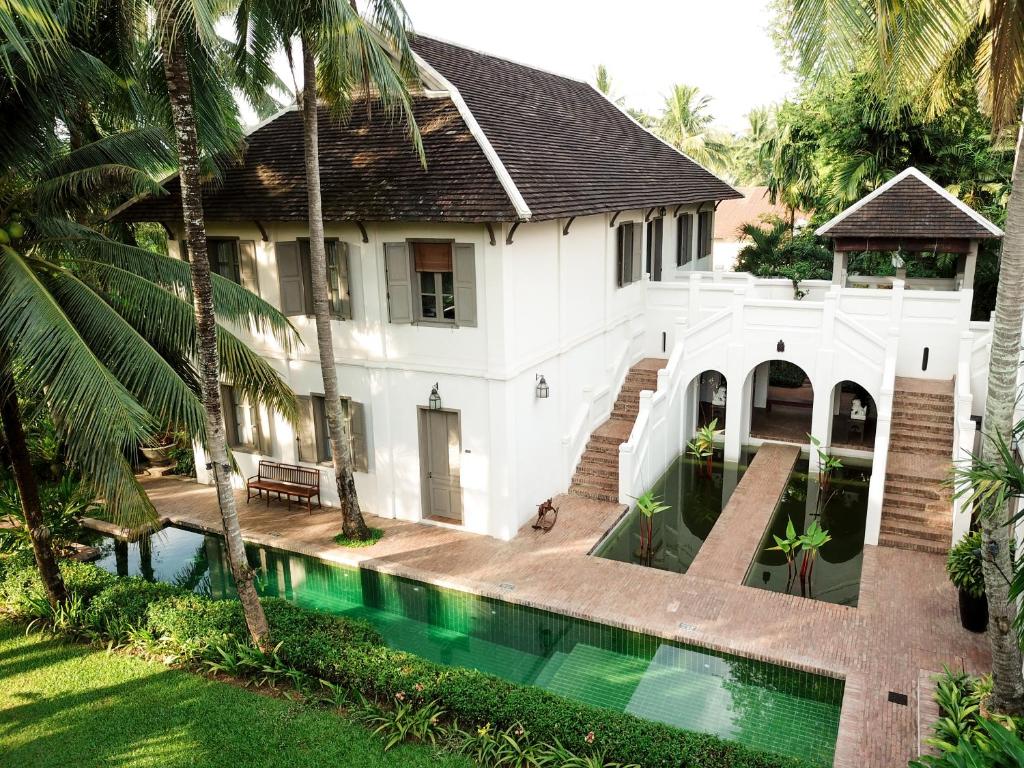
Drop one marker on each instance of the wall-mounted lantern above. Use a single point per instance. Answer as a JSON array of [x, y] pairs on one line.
[[434, 403], [781, 346], [543, 390]]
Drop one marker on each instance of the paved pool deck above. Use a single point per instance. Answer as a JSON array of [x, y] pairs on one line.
[[906, 621]]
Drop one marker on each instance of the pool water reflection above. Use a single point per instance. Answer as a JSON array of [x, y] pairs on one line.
[[754, 703]]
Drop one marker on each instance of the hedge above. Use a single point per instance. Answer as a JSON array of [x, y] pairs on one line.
[[351, 653]]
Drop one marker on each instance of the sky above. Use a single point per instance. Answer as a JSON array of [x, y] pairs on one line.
[[721, 47]]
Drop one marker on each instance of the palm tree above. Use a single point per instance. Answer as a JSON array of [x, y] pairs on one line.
[[685, 123], [105, 333], [183, 33], [342, 59], [603, 83], [919, 51]]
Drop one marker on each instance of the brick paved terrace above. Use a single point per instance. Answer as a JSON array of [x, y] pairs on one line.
[[906, 623]]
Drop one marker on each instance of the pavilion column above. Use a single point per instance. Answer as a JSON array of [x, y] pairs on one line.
[[839, 259]]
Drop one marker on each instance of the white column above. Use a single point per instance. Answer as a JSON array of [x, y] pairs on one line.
[[737, 392], [761, 374], [821, 415]]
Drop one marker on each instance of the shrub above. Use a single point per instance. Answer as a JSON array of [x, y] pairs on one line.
[[191, 619], [127, 600], [22, 588], [964, 567]]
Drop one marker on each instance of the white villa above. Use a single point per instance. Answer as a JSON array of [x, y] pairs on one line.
[[537, 310]]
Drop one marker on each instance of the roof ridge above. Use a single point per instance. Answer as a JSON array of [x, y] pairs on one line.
[[516, 62]]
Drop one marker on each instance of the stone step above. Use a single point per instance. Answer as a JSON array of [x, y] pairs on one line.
[[918, 519], [930, 449], [912, 543], [592, 492], [914, 530], [923, 419], [921, 489], [905, 502], [940, 435], [903, 405], [596, 448], [603, 482], [607, 440], [598, 470]]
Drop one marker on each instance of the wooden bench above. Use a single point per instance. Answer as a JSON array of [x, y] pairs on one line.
[[287, 479]]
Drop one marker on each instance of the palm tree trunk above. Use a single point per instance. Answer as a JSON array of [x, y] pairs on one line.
[[179, 88], [353, 526], [1008, 685], [28, 491]]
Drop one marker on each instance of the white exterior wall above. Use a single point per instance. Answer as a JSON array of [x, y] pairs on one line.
[[546, 304]]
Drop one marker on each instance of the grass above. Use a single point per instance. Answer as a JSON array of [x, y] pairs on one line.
[[64, 704], [376, 534]]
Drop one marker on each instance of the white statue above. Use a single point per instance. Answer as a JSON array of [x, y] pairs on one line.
[[858, 411], [718, 398]]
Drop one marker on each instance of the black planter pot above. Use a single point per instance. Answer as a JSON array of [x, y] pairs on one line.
[[973, 612]]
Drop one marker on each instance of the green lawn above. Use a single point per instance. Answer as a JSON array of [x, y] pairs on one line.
[[64, 704]]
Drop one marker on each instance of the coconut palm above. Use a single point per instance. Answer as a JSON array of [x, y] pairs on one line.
[[685, 123], [920, 51], [104, 333], [344, 59]]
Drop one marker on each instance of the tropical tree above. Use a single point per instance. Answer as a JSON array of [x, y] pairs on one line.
[[103, 331], [344, 60], [685, 123], [603, 83], [920, 51]]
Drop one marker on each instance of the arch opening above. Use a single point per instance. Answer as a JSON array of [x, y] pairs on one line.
[[854, 416], [781, 402]]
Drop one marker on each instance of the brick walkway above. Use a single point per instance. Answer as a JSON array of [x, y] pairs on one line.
[[906, 620]]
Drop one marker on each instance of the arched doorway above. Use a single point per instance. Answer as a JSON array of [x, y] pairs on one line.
[[712, 395], [781, 402], [854, 415]]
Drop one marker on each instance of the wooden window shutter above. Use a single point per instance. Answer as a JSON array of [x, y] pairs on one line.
[[465, 284], [356, 416], [684, 247], [227, 407], [620, 255], [338, 280], [183, 250], [397, 265], [247, 270], [305, 433], [321, 432], [637, 262], [265, 430], [709, 234], [289, 275]]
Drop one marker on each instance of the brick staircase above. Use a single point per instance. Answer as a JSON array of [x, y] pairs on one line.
[[597, 475], [916, 508]]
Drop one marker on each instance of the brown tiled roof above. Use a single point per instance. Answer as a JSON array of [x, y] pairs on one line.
[[368, 170], [568, 149], [755, 206], [910, 206]]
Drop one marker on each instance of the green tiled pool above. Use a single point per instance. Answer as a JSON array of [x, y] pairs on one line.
[[754, 703], [695, 499], [841, 509]]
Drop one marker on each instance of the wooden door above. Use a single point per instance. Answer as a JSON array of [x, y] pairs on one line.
[[440, 459]]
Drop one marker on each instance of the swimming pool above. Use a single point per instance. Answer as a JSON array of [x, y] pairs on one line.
[[754, 703]]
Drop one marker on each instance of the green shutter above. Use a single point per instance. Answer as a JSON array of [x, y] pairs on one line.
[[338, 280], [399, 277], [356, 417], [289, 276], [247, 269], [227, 407], [305, 433], [183, 250], [620, 255], [305, 268], [464, 278], [637, 262], [321, 431]]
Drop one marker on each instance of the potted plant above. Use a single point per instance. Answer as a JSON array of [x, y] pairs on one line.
[[159, 452], [964, 568]]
